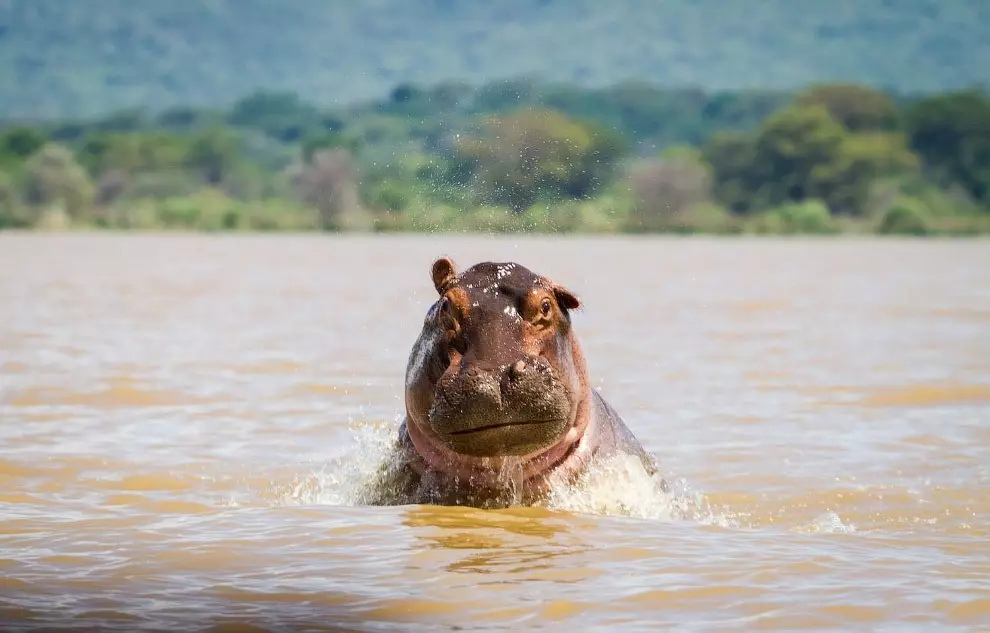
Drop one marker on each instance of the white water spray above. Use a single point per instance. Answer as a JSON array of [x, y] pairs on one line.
[[615, 486]]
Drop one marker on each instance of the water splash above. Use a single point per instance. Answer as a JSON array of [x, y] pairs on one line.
[[621, 486], [345, 478], [828, 523], [512, 477], [612, 486]]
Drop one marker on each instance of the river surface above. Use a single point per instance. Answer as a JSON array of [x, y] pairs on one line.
[[185, 421]]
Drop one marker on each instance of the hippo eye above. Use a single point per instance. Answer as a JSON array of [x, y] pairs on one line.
[[546, 307]]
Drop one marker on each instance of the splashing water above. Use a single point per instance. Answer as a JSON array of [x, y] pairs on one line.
[[345, 478], [612, 486], [511, 476], [620, 486], [828, 523]]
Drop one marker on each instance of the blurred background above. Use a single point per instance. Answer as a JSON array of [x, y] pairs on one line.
[[521, 115]]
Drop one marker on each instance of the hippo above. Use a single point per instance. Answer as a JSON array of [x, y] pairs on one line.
[[498, 401]]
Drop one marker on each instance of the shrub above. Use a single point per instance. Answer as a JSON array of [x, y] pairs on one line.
[[905, 217], [53, 178], [390, 196], [810, 217], [12, 216]]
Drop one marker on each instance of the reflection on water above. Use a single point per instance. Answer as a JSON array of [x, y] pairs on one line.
[[522, 542], [187, 422]]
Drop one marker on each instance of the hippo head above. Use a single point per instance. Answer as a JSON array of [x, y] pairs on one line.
[[495, 371]]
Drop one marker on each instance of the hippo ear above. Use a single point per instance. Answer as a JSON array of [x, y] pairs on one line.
[[565, 298], [443, 273]]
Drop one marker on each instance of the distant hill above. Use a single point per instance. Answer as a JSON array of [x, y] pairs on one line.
[[85, 57]]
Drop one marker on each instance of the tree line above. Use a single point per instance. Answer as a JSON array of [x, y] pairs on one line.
[[517, 155]]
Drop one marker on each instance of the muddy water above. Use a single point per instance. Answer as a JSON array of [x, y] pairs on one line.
[[185, 421]]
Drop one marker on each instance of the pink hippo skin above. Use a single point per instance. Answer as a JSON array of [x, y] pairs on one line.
[[497, 395]]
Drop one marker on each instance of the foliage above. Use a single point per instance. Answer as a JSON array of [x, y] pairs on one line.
[[12, 214], [538, 153], [801, 153], [662, 116], [732, 157], [210, 210], [54, 178], [811, 217], [904, 217], [390, 196], [329, 140], [133, 152], [20, 142], [952, 134], [857, 107], [212, 154], [167, 183], [516, 155]]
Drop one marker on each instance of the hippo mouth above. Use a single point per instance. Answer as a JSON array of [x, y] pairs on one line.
[[485, 413], [504, 438], [503, 425]]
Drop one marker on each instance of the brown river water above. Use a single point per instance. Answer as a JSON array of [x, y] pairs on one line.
[[185, 422]]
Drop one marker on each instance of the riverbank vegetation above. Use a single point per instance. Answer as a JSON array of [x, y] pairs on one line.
[[516, 156]]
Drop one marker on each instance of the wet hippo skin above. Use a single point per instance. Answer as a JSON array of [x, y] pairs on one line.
[[497, 394]]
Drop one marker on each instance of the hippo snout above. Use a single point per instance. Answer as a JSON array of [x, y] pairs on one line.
[[528, 379], [481, 385], [508, 409], [489, 385]]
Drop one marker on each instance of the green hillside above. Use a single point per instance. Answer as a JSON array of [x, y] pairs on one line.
[[85, 57]]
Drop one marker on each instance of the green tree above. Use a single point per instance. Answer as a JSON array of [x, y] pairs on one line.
[[857, 107], [53, 177], [213, 153], [951, 132], [538, 152], [732, 156], [20, 142], [264, 107], [67, 131], [904, 217], [329, 140], [796, 152], [806, 217], [279, 114], [134, 152], [865, 158], [802, 153], [10, 215]]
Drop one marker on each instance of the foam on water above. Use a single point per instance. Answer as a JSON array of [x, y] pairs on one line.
[[613, 486]]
